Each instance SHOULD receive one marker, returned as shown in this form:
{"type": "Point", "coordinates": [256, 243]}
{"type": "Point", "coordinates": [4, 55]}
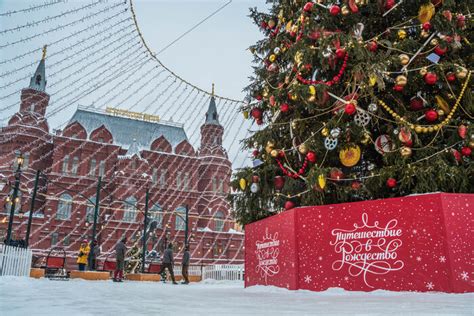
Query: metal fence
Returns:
{"type": "Point", "coordinates": [232, 272]}
{"type": "Point", "coordinates": [15, 261]}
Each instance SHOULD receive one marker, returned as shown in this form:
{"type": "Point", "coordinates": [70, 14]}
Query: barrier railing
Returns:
{"type": "Point", "coordinates": [231, 272]}
{"type": "Point", "coordinates": [15, 261]}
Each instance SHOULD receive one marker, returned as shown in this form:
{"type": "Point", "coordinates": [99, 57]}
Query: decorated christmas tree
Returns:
{"type": "Point", "coordinates": [358, 100]}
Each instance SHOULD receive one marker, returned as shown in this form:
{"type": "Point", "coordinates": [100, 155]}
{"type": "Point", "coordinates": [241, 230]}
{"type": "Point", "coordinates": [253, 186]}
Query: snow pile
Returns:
{"type": "Point", "coordinates": [25, 296]}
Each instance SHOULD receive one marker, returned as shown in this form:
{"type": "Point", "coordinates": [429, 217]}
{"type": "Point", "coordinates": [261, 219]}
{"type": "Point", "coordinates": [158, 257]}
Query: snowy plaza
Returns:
{"type": "Point", "coordinates": [26, 296]}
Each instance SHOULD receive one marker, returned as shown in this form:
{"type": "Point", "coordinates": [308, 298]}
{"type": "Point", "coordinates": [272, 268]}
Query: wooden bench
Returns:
{"type": "Point", "coordinates": [90, 275]}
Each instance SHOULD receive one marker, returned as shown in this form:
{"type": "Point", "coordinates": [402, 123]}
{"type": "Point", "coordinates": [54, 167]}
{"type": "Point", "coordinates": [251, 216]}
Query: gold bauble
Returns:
{"type": "Point", "coordinates": [345, 10]}
{"type": "Point", "coordinates": [372, 80]}
{"type": "Point", "coordinates": [440, 112]}
{"type": "Point", "coordinates": [325, 132]}
{"type": "Point", "coordinates": [423, 71]}
{"type": "Point", "coordinates": [272, 58]}
{"type": "Point", "coordinates": [299, 57]}
{"type": "Point", "coordinates": [366, 138]}
{"type": "Point", "coordinates": [294, 124]}
{"type": "Point", "coordinates": [274, 153]}
{"type": "Point", "coordinates": [471, 144]}
{"type": "Point", "coordinates": [350, 156]}
{"type": "Point", "coordinates": [294, 97]}
{"type": "Point", "coordinates": [418, 129]}
{"type": "Point", "coordinates": [321, 181]}
{"type": "Point", "coordinates": [461, 72]}
{"type": "Point", "coordinates": [312, 90]}
{"type": "Point", "coordinates": [424, 34]}
{"type": "Point", "coordinates": [402, 34]}
{"type": "Point", "coordinates": [434, 42]}
{"type": "Point", "coordinates": [246, 114]}
{"type": "Point", "coordinates": [404, 59]}
{"type": "Point", "coordinates": [303, 149]}
{"type": "Point", "coordinates": [405, 151]}
{"type": "Point", "coordinates": [242, 184]}
{"type": "Point", "coordinates": [401, 80]}
{"type": "Point", "coordinates": [271, 23]}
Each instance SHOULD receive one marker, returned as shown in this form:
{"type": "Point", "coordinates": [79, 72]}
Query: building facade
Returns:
{"type": "Point", "coordinates": [132, 154]}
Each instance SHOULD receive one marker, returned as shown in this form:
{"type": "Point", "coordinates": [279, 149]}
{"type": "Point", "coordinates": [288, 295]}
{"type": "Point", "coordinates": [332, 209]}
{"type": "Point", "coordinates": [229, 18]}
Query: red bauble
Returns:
{"type": "Point", "coordinates": [426, 26]}
{"type": "Point", "coordinates": [336, 174]}
{"type": "Point", "coordinates": [259, 121]}
{"type": "Point", "coordinates": [431, 115]}
{"type": "Point", "coordinates": [289, 205]}
{"type": "Point", "coordinates": [431, 78]}
{"type": "Point", "coordinates": [448, 15]}
{"type": "Point", "coordinates": [272, 100]}
{"type": "Point", "coordinates": [311, 156]}
{"type": "Point", "coordinates": [451, 76]}
{"type": "Point", "coordinates": [284, 107]}
{"type": "Point", "coordinates": [440, 50]}
{"type": "Point", "coordinates": [257, 113]}
{"type": "Point", "coordinates": [350, 108]}
{"type": "Point", "coordinates": [391, 183]}
{"type": "Point", "coordinates": [456, 154]}
{"type": "Point", "coordinates": [416, 104]}
{"type": "Point", "coordinates": [389, 4]}
{"type": "Point", "coordinates": [279, 182]}
{"type": "Point", "coordinates": [334, 10]}
{"type": "Point", "coordinates": [308, 6]}
{"type": "Point", "coordinates": [355, 185]}
{"type": "Point", "coordinates": [372, 46]}
{"type": "Point", "coordinates": [255, 179]}
{"type": "Point", "coordinates": [466, 151]}
{"type": "Point", "coordinates": [340, 53]}
{"type": "Point", "coordinates": [461, 21]}
{"type": "Point", "coordinates": [398, 88]}
{"type": "Point", "coordinates": [255, 153]}
{"type": "Point", "coordinates": [462, 131]}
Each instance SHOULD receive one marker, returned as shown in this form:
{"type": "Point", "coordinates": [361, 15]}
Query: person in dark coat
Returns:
{"type": "Point", "coordinates": [185, 263]}
{"type": "Point", "coordinates": [168, 261]}
{"type": "Point", "coordinates": [93, 254]}
{"type": "Point", "coordinates": [120, 251]}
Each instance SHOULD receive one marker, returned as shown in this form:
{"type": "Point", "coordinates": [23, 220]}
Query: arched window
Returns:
{"type": "Point", "coordinates": [179, 221]}
{"type": "Point", "coordinates": [75, 165]}
{"type": "Point", "coordinates": [90, 210]}
{"type": "Point", "coordinates": [156, 215]}
{"type": "Point", "coordinates": [219, 221]}
{"type": "Point", "coordinates": [130, 209]}
{"type": "Point", "coordinates": [64, 207]}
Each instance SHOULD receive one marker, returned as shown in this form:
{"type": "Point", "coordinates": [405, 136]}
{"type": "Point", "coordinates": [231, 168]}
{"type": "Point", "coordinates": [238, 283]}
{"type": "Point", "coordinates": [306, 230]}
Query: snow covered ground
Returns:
{"type": "Point", "coordinates": [25, 296]}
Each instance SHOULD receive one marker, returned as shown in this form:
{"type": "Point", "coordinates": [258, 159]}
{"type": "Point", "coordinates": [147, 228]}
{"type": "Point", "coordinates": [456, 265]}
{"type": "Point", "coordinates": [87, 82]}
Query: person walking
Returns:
{"type": "Point", "coordinates": [83, 255]}
{"type": "Point", "coordinates": [168, 262]}
{"type": "Point", "coordinates": [185, 263]}
{"type": "Point", "coordinates": [120, 251]}
{"type": "Point", "coordinates": [93, 254]}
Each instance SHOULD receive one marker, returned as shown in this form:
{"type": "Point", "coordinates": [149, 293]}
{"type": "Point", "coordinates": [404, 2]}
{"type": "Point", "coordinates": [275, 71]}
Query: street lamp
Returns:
{"type": "Point", "coordinates": [19, 162]}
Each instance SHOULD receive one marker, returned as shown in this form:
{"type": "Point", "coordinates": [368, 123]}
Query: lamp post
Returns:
{"type": "Point", "coordinates": [32, 208]}
{"type": "Point", "coordinates": [145, 224]}
{"type": "Point", "coordinates": [96, 209]}
{"type": "Point", "coordinates": [186, 228]}
{"type": "Point", "coordinates": [14, 198]}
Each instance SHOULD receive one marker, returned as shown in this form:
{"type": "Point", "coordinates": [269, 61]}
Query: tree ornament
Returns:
{"type": "Point", "coordinates": [391, 183]}
{"type": "Point", "coordinates": [440, 50]}
{"type": "Point", "coordinates": [431, 115]}
{"type": "Point", "coordinates": [254, 188]}
{"type": "Point", "coordinates": [426, 12]}
{"type": "Point", "coordinates": [404, 59]}
{"type": "Point", "coordinates": [256, 113]}
{"type": "Point", "coordinates": [383, 144]}
{"type": "Point", "coordinates": [334, 10]}
{"type": "Point", "coordinates": [426, 26]}
{"type": "Point", "coordinates": [405, 135]}
{"type": "Point", "coordinates": [456, 154]}
{"type": "Point", "coordinates": [272, 58]}
{"type": "Point", "coordinates": [461, 72]}
{"type": "Point", "coordinates": [389, 4]}
{"type": "Point", "coordinates": [451, 76]}
{"type": "Point", "coordinates": [336, 174]}
{"type": "Point", "coordinates": [362, 118]}
{"type": "Point", "coordinates": [242, 184]}
{"type": "Point", "coordinates": [416, 104]}
{"type": "Point", "coordinates": [279, 182]}
{"type": "Point", "coordinates": [471, 144]}
{"type": "Point", "coordinates": [462, 131]}
{"type": "Point", "coordinates": [340, 53]}
{"type": "Point", "coordinates": [330, 143]}
{"type": "Point", "coordinates": [321, 181]}
{"type": "Point", "coordinates": [442, 104]}
{"type": "Point", "coordinates": [311, 156]}
{"type": "Point", "coordinates": [312, 90]}
{"type": "Point", "coordinates": [423, 71]}
{"type": "Point", "coordinates": [245, 114]}
{"type": "Point", "coordinates": [461, 21]}
{"type": "Point", "coordinates": [308, 6]}
{"type": "Point", "coordinates": [398, 88]}
{"type": "Point", "coordinates": [289, 205]}
{"type": "Point", "coordinates": [345, 10]}
{"type": "Point", "coordinates": [402, 34]}
{"type": "Point", "coordinates": [255, 153]}
{"type": "Point", "coordinates": [277, 50]}
{"type": "Point", "coordinates": [431, 78]}
{"type": "Point", "coordinates": [255, 178]}
{"type": "Point", "coordinates": [350, 156]}
{"type": "Point", "coordinates": [335, 132]}
{"type": "Point", "coordinates": [366, 137]}
{"type": "Point", "coordinates": [372, 107]}
{"type": "Point", "coordinates": [274, 153]}
{"type": "Point", "coordinates": [303, 149]}
{"type": "Point", "coordinates": [372, 46]}
{"type": "Point", "coordinates": [325, 132]}
{"type": "Point", "coordinates": [259, 121]}
{"type": "Point", "coordinates": [405, 151]}
{"type": "Point", "coordinates": [355, 185]}
{"type": "Point", "coordinates": [424, 34]}
{"type": "Point", "coordinates": [401, 80]}
{"type": "Point", "coordinates": [466, 151]}
{"type": "Point", "coordinates": [284, 108]}
{"type": "Point", "coordinates": [350, 108]}
{"type": "Point", "coordinates": [269, 147]}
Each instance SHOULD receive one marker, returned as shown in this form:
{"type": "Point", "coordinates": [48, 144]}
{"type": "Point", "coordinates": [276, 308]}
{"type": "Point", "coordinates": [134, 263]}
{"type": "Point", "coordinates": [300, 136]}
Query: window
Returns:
{"type": "Point", "coordinates": [221, 185]}
{"type": "Point", "coordinates": [134, 164]}
{"type": "Point", "coordinates": [186, 181]}
{"type": "Point", "coordinates": [154, 175]}
{"type": "Point", "coordinates": [219, 221]}
{"type": "Point", "coordinates": [215, 248]}
{"type": "Point", "coordinates": [101, 168]}
{"type": "Point", "coordinates": [26, 161]}
{"type": "Point", "coordinates": [214, 184]}
{"type": "Point", "coordinates": [163, 178]}
{"type": "Point", "coordinates": [92, 166]}
{"type": "Point", "coordinates": [130, 209]}
{"type": "Point", "coordinates": [75, 165]}
{"type": "Point", "coordinates": [66, 240]}
{"type": "Point", "coordinates": [100, 140]}
{"type": "Point", "coordinates": [54, 239]}
{"type": "Point", "coordinates": [180, 218]}
{"type": "Point", "coordinates": [64, 207]}
{"type": "Point", "coordinates": [66, 164]}
{"type": "Point", "coordinates": [90, 211]}
{"type": "Point", "coordinates": [178, 180]}
{"type": "Point", "coordinates": [156, 215]}
{"type": "Point", "coordinates": [32, 107]}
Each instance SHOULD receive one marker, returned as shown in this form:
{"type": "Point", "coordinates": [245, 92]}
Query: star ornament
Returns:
{"type": "Point", "coordinates": [429, 285]}
{"type": "Point", "coordinates": [464, 275]}
{"type": "Point", "coordinates": [307, 279]}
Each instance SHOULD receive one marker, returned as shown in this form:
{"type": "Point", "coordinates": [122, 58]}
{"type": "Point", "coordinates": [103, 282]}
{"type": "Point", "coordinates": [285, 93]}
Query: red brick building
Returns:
{"type": "Point", "coordinates": [131, 152]}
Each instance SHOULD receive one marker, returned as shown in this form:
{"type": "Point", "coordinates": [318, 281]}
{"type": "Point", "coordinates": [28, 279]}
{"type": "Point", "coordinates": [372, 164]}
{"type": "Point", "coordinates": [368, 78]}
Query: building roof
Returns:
{"type": "Point", "coordinates": [127, 132]}
{"type": "Point", "coordinates": [38, 81]}
{"type": "Point", "coordinates": [211, 115]}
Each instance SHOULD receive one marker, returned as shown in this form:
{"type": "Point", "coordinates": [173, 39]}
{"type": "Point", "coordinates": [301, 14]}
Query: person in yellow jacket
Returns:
{"type": "Point", "coordinates": [83, 255]}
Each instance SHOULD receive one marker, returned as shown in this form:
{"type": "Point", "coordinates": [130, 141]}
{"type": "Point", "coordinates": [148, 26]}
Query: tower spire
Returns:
{"type": "Point", "coordinates": [211, 115]}
{"type": "Point", "coordinates": [38, 81]}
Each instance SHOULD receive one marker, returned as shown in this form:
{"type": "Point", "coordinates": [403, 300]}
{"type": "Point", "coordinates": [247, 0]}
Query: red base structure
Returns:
{"type": "Point", "coordinates": [415, 243]}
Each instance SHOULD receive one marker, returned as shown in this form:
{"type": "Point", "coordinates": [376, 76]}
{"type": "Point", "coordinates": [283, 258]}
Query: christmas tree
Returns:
{"type": "Point", "coordinates": [358, 100]}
